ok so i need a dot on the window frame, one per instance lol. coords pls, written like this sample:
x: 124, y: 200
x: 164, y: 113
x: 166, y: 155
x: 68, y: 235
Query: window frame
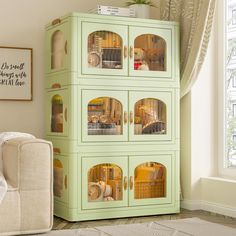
x: 223, y: 168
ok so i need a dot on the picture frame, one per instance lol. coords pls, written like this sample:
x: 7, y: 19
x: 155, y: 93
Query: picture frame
x: 16, y: 73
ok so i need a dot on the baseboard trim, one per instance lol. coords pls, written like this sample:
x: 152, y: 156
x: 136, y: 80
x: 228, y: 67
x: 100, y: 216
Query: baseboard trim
x: 209, y: 206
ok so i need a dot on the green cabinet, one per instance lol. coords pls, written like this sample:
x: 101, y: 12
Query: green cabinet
x: 112, y: 114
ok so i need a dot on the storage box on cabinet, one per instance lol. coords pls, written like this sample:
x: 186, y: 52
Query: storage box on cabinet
x: 118, y: 181
x: 109, y: 115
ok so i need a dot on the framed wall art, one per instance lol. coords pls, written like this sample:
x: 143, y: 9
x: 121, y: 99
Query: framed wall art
x: 16, y: 73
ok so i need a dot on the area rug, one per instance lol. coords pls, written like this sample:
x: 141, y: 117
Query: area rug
x: 182, y: 227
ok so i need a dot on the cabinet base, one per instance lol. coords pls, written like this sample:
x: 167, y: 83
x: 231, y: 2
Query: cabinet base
x: 72, y: 214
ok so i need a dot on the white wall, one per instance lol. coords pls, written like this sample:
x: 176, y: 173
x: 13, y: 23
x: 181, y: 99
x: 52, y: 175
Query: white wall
x: 22, y: 25
x: 199, y: 140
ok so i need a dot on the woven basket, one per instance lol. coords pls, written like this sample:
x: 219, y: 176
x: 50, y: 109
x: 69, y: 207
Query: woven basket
x: 149, y: 189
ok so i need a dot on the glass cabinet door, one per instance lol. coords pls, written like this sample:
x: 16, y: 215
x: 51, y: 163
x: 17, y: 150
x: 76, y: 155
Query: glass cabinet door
x: 57, y: 49
x: 150, y: 52
x: 105, y: 182
x: 150, y: 116
x: 57, y: 107
x: 150, y: 179
x: 104, y: 116
x: 104, y: 49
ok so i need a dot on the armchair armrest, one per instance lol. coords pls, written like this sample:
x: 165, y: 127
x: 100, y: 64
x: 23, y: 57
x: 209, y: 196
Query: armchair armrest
x: 27, y: 163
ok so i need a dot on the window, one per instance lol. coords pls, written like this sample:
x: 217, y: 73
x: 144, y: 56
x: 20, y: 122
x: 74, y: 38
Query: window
x: 230, y: 79
x: 234, y: 17
x: 234, y: 81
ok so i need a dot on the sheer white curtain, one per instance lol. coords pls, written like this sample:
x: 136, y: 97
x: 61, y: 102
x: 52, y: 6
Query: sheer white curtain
x: 195, y: 18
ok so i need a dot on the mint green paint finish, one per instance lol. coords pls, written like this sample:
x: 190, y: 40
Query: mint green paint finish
x: 77, y: 84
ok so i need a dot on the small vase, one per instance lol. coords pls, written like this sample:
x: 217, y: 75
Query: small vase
x: 141, y: 10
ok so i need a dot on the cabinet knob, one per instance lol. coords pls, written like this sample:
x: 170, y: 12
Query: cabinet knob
x: 56, y: 85
x: 125, y: 183
x: 66, y: 47
x: 65, y: 182
x: 131, y: 182
x: 131, y: 119
x: 65, y: 114
x: 125, y: 117
x: 131, y: 52
x: 56, y: 21
x: 125, y: 51
x: 56, y: 150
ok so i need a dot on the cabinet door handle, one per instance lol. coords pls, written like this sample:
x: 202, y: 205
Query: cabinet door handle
x: 65, y: 181
x: 131, y: 182
x: 66, y: 47
x: 56, y: 85
x: 56, y: 150
x: 125, y: 117
x: 125, y: 183
x: 131, y: 51
x: 65, y: 114
x: 131, y: 119
x: 125, y: 51
x: 56, y: 21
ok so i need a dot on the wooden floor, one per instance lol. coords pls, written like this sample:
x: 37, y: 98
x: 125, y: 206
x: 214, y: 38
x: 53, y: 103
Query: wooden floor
x: 212, y: 217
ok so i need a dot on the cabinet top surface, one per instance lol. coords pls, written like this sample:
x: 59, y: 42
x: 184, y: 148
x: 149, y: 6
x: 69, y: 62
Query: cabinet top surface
x: 126, y: 20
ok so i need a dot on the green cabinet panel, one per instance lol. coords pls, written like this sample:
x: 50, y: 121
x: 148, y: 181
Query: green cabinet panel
x: 57, y: 39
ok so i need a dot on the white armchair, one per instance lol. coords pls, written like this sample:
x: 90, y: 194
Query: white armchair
x: 28, y: 204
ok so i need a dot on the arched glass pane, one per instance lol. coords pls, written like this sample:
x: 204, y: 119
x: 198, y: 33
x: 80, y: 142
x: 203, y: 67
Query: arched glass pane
x: 150, y: 53
x: 105, y: 116
x: 105, y: 183
x: 57, y: 50
x: 57, y: 178
x: 105, y: 50
x: 57, y: 114
x: 150, y: 116
x: 150, y: 181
